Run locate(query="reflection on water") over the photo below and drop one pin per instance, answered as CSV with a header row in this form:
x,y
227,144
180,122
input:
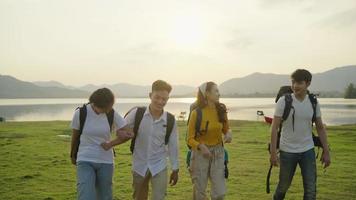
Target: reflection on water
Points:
x,y
334,111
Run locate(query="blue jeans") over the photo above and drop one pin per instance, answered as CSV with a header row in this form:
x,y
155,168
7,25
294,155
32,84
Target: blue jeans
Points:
x,y
288,164
94,181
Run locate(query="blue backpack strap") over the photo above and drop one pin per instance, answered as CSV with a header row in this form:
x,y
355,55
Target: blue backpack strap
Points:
x,y
187,159
170,124
138,118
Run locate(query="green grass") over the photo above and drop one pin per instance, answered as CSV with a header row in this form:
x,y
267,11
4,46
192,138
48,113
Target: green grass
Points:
x,y
34,164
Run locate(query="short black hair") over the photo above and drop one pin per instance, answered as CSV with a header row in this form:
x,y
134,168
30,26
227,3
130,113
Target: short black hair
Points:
x,y
102,98
160,85
301,75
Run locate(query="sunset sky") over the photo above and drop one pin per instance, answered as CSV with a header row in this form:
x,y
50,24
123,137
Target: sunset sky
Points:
x,y
184,42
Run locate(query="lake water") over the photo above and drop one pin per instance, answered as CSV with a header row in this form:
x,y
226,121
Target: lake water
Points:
x,y
334,111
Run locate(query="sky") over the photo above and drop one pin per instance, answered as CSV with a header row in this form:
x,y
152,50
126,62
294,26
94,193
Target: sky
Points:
x,y
185,42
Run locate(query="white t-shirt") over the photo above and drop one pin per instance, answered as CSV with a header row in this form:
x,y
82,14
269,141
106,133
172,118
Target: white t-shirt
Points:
x,y
299,140
96,130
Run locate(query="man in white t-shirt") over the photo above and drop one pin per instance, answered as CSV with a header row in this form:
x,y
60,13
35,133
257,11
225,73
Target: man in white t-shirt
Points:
x,y
296,142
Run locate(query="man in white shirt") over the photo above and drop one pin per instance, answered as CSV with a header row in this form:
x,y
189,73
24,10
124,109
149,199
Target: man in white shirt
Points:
x,y
296,142
149,162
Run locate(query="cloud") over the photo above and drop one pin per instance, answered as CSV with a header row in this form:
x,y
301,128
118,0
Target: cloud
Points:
x,y
239,43
278,3
340,20
146,49
238,39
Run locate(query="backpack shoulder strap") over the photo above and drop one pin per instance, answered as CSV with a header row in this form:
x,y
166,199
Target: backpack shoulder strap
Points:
x,y
82,117
110,117
170,124
314,102
288,106
192,107
128,112
138,118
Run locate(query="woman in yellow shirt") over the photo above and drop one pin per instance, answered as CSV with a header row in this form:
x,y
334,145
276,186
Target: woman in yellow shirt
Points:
x,y
207,159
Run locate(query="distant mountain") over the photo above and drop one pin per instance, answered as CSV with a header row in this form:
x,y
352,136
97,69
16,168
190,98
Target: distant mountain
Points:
x,y
52,84
129,90
184,90
334,80
120,89
330,82
11,87
254,83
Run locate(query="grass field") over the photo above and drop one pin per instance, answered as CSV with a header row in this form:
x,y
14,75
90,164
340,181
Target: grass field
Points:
x,y
34,164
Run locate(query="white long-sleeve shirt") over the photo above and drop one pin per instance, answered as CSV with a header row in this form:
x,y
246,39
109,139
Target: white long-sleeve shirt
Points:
x,y
150,151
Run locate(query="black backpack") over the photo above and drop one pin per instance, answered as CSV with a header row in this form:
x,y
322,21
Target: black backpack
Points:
x,y
198,131
287,91
138,118
83,117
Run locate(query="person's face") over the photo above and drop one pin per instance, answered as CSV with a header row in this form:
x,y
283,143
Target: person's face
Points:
x,y
159,99
299,87
213,95
102,110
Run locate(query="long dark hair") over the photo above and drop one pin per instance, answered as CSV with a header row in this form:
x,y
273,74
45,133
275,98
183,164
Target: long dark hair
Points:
x,y
202,102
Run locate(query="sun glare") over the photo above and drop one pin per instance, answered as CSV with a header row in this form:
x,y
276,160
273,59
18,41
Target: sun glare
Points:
x,y
187,31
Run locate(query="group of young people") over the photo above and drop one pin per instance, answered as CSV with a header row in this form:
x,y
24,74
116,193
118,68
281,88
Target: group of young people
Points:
x,y
154,135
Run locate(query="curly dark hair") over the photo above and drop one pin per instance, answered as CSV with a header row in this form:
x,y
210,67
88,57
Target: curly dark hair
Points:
x,y
102,98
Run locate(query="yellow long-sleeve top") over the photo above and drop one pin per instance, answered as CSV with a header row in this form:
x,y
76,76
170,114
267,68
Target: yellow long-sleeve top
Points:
x,y
213,135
